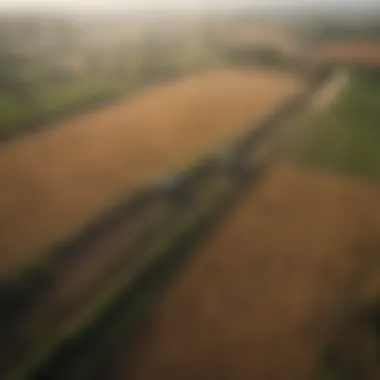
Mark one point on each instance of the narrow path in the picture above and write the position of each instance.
(331, 91)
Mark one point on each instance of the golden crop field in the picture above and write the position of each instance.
(259, 298)
(54, 182)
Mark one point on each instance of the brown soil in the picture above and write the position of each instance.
(259, 298)
(54, 182)
(352, 53)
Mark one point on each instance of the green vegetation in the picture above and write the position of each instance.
(346, 137)
(322, 29)
(102, 336)
(257, 55)
(55, 101)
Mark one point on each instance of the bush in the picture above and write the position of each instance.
(255, 55)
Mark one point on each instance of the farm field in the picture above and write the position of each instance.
(355, 53)
(55, 182)
(260, 296)
(263, 265)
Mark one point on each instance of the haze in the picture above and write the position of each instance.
(175, 4)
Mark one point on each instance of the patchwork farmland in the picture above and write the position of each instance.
(60, 299)
(310, 233)
(292, 272)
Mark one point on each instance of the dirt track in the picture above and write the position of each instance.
(54, 182)
(258, 299)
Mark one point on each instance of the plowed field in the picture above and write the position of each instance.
(362, 54)
(258, 299)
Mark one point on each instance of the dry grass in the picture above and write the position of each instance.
(259, 298)
(54, 182)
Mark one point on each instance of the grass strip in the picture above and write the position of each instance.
(102, 300)
(81, 358)
(150, 233)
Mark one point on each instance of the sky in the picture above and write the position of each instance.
(169, 4)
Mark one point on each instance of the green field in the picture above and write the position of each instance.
(55, 101)
(346, 137)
